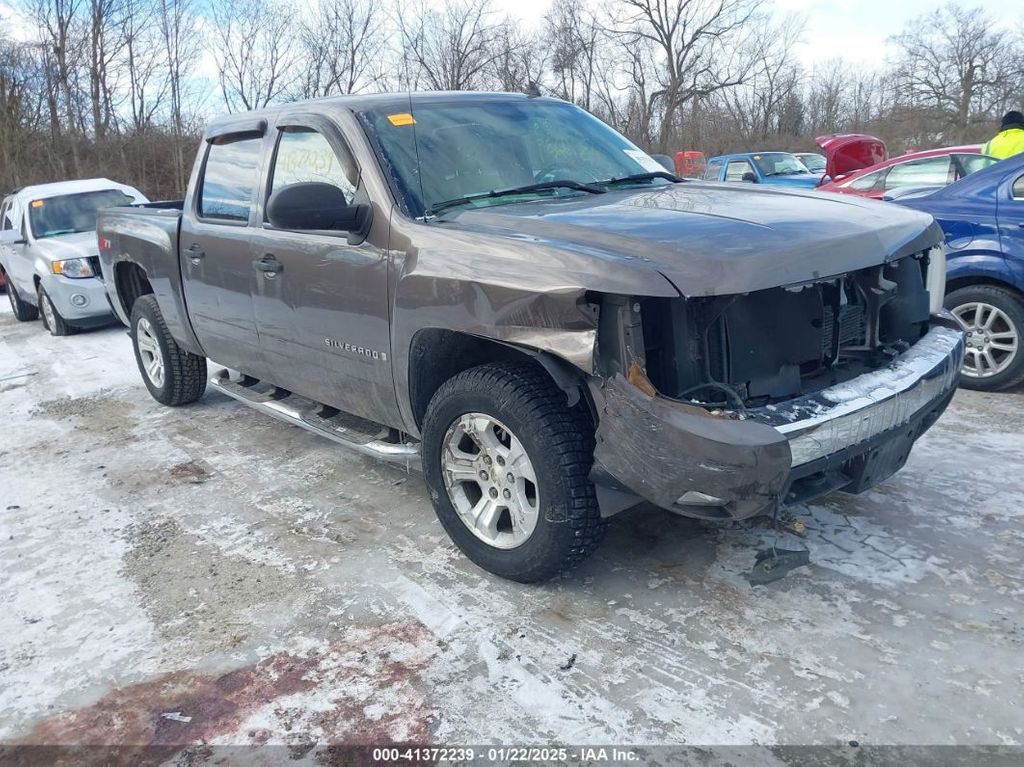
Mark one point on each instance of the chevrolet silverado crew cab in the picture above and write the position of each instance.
(510, 292)
(48, 252)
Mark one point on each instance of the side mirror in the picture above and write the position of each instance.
(11, 237)
(318, 207)
(749, 176)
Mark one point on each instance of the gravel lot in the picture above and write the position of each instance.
(270, 587)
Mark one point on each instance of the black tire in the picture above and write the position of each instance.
(559, 443)
(1012, 308)
(184, 373)
(22, 312)
(59, 326)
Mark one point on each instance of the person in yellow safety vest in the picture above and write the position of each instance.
(1010, 139)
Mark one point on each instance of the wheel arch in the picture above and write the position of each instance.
(438, 354)
(967, 281)
(130, 283)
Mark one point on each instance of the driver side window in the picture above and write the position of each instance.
(736, 169)
(304, 155)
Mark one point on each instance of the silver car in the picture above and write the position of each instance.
(49, 253)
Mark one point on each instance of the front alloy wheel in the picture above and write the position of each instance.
(490, 480)
(52, 320)
(508, 462)
(993, 320)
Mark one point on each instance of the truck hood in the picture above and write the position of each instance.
(65, 246)
(797, 181)
(714, 239)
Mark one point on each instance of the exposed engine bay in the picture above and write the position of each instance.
(771, 345)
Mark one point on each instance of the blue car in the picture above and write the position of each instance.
(983, 218)
(773, 168)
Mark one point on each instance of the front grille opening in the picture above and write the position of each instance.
(776, 344)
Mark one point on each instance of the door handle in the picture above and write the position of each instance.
(269, 265)
(195, 252)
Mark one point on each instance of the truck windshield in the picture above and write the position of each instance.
(779, 164)
(441, 153)
(71, 213)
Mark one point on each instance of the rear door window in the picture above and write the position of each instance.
(933, 171)
(230, 177)
(972, 163)
(736, 169)
(1018, 188)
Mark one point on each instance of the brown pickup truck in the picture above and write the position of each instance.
(508, 291)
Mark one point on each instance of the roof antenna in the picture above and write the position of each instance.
(532, 89)
(419, 165)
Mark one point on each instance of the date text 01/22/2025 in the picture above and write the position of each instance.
(462, 754)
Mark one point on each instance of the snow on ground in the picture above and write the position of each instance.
(207, 574)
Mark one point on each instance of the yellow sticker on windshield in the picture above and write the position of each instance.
(403, 118)
(38, 203)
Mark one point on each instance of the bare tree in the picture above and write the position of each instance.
(255, 55)
(575, 41)
(700, 48)
(343, 44)
(106, 40)
(956, 64)
(56, 21)
(182, 44)
(447, 49)
(519, 59)
(768, 103)
(143, 57)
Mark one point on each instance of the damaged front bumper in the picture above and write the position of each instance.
(730, 465)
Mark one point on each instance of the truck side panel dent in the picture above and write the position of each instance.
(522, 294)
(662, 449)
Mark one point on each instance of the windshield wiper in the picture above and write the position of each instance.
(542, 186)
(636, 177)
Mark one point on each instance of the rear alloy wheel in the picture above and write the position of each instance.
(52, 320)
(993, 319)
(172, 375)
(22, 312)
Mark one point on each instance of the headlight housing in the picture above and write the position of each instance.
(75, 268)
(935, 281)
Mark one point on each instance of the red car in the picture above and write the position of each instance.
(857, 165)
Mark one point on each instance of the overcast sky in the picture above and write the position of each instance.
(857, 30)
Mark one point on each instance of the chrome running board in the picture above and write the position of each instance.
(366, 437)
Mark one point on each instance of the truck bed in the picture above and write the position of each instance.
(145, 238)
